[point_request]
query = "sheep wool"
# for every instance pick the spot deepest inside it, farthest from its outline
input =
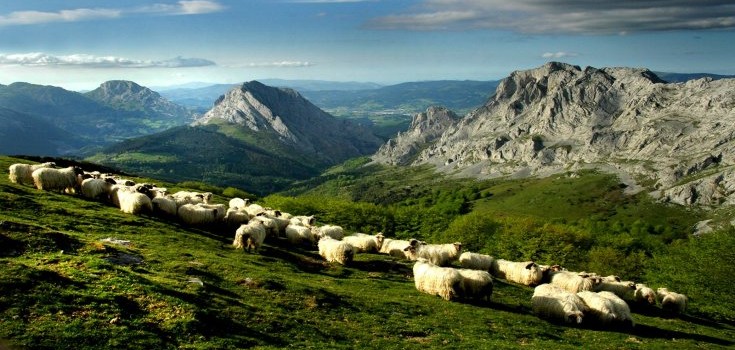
(437, 254)
(644, 294)
(297, 234)
(238, 203)
(552, 302)
(194, 214)
(337, 251)
(573, 282)
(671, 301)
(236, 217)
(20, 173)
(476, 261)
(96, 188)
(476, 284)
(365, 243)
(621, 309)
(134, 202)
(601, 309)
(50, 179)
(623, 289)
(250, 236)
(332, 231)
(527, 273)
(434, 280)
(397, 248)
(165, 206)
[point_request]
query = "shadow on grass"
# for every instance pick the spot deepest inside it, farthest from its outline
(18, 238)
(306, 261)
(646, 331)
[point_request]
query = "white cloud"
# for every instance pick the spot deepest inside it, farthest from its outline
(39, 59)
(559, 54)
(277, 64)
(185, 7)
(564, 16)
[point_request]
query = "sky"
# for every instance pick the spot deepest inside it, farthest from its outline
(80, 44)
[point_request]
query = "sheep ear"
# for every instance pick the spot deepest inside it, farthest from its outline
(528, 267)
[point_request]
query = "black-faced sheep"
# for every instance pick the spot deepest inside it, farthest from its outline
(20, 173)
(60, 180)
(337, 251)
(476, 261)
(552, 302)
(527, 273)
(434, 280)
(250, 236)
(671, 301)
(437, 254)
(365, 243)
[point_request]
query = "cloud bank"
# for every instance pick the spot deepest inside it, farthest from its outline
(275, 64)
(38, 59)
(184, 7)
(564, 16)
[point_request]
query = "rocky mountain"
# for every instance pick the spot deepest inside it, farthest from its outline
(675, 140)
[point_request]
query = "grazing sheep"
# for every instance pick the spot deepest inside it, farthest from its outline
(271, 227)
(254, 209)
(239, 203)
(20, 173)
(434, 280)
(476, 261)
(527, 273)
(221, 211)
(552, 302)
(333, 231)
(279, 223)
(60, 180)
(397, 248)
(134, 202)
(165, 205)
(620, 308)
(195, 214)
(97, 188)
(437, 254)
(250, 236)
(476, 284)
(337, 251)
(671, 301)
(623, 289)
(303, 220)
(573, 282)
(236, 216)
(644, 294)
(547, 270)
(187, 197)
(297, 234)
(365, 243)
(600, 308)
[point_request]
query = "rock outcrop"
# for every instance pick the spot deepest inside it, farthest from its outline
(560, 117)
(127, 95)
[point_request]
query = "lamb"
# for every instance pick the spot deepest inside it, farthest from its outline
(336, 251)
(165, 206)
(671, 301)
(527, 273)
(434, 280)
(250, 236)
(623, 289)
(365, 243)
(397, 248)
(620, 308)
(644, 294)
(550, 301)
(437, 254)
(134, 202)
(20, 173)
(195, 214)
(51, 179)
(476, 261)
(333, 231)
(302, 220)
(573, 282)
(297, 234)
(96, 188)
(475, 284)
(239, 203)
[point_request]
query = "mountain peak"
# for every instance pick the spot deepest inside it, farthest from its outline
(130, 96)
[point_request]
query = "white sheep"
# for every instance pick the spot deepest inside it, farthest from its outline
(337, 251)
(434, 280)
(552, 302)
(60, 180)
(297, 234)
(220, 210)
(671, 301)
(250, 236)
(271, 226)
(303, 220)
(254, 209)
(644, 294)
(187, 197)
(476, 284)
(437, 254)
(527, 273)
(620, 308)
(20, 173)
(236, 216)
(476, 261)
(333, 231)
(96, 188)
(573, 282)
(195, 214)
(239, 203)
(365, 243)
(397, 248)
(165, 205)
(134, 202)
(623, 289)
(600, 308)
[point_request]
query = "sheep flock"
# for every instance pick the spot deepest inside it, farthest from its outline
(439, 269)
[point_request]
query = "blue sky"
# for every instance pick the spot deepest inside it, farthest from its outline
(80, 44)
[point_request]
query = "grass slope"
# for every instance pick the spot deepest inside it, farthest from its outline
(61, 287)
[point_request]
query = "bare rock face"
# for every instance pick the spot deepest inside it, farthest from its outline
(282, 118)
(559, 117)
(127, 95)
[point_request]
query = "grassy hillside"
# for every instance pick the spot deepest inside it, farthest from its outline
(171, 286)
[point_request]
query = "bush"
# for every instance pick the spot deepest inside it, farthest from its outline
(200, 186)
(473, 230)
(236, 192)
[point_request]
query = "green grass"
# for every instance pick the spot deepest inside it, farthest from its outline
(62, 288)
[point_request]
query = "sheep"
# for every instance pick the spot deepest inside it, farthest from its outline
(476, 284)
(236, 217)
(271, 227)
(238, 203)
(553, 302)
(671, 301)
(527, 273)
(365, 243)
(397, 248)
(476, 261)
(623, 289)
(186, 197)
(297, 234)
(254, 209)
(434, 280)
(548, 270)
(279, 223)
(573, 282)
(333, 231)
(644, 294)
(220, 211)
(51, 179)
(96, 188)
(165, 205)
(337, 251)
(620, 308)
(134, 202)
(437, 254)
(20, 173)
(250, 236)
(303, 220)
(195, 214)
(600, 308)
